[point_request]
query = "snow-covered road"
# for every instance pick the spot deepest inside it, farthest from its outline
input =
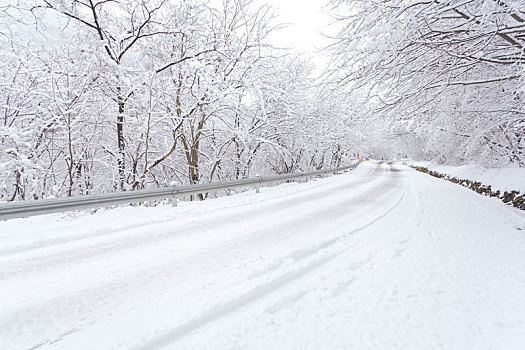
(381, 257)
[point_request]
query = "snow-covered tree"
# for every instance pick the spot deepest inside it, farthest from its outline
(128, 94)
(450, 71)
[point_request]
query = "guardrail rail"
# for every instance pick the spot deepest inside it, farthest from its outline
(58, 205)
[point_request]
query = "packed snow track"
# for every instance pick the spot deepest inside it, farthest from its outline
(382, 257)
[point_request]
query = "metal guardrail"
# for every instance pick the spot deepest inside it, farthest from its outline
(58, 205)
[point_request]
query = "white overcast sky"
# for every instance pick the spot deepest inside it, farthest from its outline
(306, 19)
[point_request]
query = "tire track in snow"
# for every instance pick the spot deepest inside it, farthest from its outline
(328, 251)
(149, 272)
(132, 271)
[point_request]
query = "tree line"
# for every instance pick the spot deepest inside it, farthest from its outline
(105, 95)
(112, 95)
(444, 79)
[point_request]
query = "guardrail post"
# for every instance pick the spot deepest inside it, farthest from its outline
(174, 198)
(258, 186)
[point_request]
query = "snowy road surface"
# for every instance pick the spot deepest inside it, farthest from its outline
(381, 257)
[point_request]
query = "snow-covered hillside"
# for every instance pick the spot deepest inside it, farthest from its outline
(382, 257)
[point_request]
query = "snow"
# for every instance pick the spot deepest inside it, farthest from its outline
(507, 178)
(382, 257)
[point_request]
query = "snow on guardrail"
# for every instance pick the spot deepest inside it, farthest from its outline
(58, 205)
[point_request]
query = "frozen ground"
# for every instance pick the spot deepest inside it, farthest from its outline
(504, 179)
(382, 257)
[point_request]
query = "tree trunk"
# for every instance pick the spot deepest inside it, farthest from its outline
(121, 160)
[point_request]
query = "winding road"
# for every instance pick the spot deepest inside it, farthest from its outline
(380, 257)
